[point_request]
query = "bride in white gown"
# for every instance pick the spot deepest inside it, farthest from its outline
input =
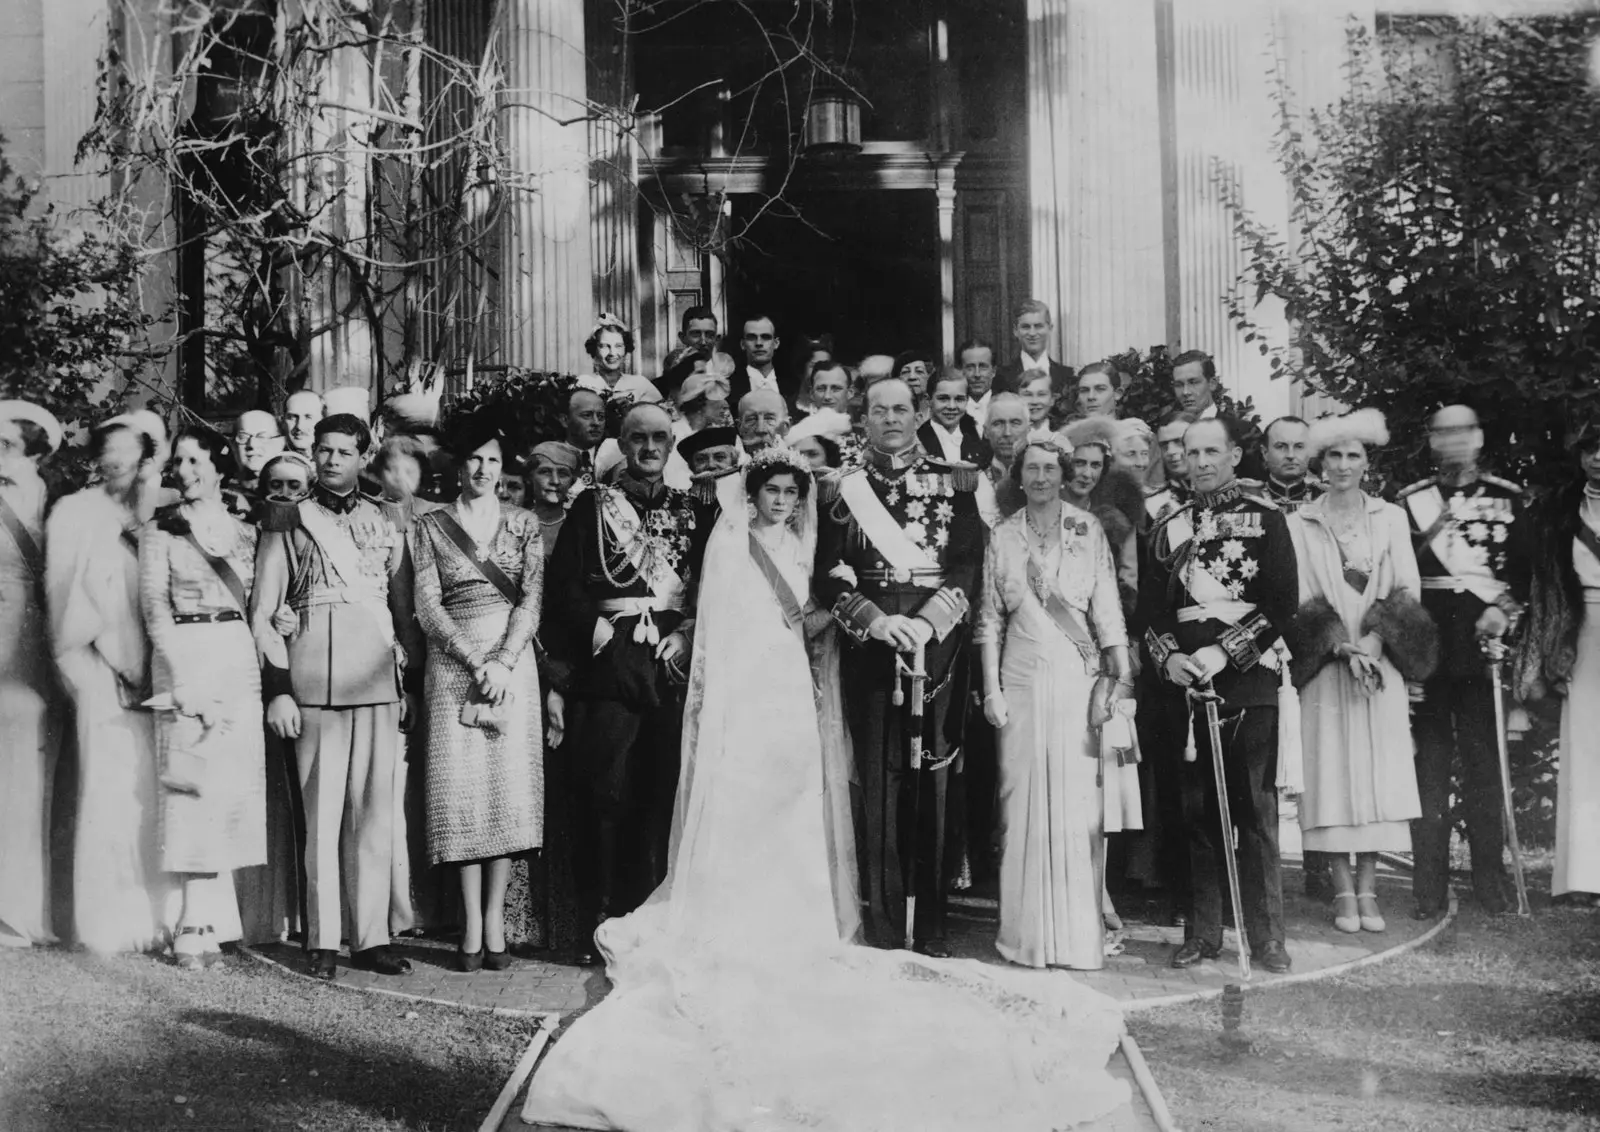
(736, 1005)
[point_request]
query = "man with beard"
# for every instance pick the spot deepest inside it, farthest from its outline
(618, 619)
(899, 554)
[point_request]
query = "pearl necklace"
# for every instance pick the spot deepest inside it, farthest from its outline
(1044, 537)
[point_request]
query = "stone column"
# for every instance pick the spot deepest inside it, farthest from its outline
(613, 196)
(1094, 173)
(547, 300)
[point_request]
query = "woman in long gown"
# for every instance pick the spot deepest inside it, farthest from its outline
(1049, 623)
(485, 777)
(736, 1005)
(1360, 634)
(196, 566)
(28, 435)
(1559, 653)
(122, 900)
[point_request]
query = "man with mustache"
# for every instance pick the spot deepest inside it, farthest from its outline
(899, 553)
(618, 619)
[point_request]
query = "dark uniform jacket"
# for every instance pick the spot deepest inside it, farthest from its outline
(1242, 542)
(1289, 498)
(1472, 543)
(588, 567)
(936, 505)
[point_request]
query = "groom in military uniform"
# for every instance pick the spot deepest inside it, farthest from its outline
(899, 554)
(1470, 536)
(1221, 586)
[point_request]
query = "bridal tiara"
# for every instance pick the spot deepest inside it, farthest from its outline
(780, 454)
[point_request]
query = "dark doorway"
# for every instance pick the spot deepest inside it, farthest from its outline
(863, 266)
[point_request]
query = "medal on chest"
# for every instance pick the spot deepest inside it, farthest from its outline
(1226, 548)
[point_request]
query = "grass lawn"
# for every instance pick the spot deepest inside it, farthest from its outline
(114, 1044)
(1493, 1027)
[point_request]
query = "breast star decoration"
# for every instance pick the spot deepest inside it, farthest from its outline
(1223, 552)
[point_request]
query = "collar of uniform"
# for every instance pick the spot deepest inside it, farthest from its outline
(1223, 495)
(891, 461)
(332, 501)
(1451, 481)
(645, 491)
(1280, 490)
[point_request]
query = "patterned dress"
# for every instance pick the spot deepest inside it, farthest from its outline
(485, 788)
(202, 652)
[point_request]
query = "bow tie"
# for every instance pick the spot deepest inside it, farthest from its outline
(338, 504)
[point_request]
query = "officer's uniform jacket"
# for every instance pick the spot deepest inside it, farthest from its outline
(1222, 572)
(340, 563)
(1289, 498)
(1471, 542)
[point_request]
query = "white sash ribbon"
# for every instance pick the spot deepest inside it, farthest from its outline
(1456, 555)
(888, 537)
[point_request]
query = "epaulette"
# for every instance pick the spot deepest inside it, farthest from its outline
(1509, 485)
(703, 488)
(1416, 487)
(963, 476)
(1256, 492)
(827, 490)
(276, 516)
(1187, 505)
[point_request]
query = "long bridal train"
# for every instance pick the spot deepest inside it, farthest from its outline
(735, 1003)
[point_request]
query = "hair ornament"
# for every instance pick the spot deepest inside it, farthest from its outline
(780, 455)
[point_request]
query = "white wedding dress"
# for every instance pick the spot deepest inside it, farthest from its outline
(735, 1003)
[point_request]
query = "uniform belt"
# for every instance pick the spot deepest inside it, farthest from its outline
(1230, 611)
(207, 618)
(933, 579)
(337, 595)
(615, 607)
(1462, 585)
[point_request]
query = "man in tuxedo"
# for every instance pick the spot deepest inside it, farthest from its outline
(950, 434)
(760, 344)
(1032, 330)
(976, 360)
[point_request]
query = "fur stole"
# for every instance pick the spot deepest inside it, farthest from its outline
(1118, 502)
(1313, 634)
(1409, 635)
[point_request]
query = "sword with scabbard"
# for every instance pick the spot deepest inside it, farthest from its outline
(911, 678)
(1495, 651)
(1205, 695)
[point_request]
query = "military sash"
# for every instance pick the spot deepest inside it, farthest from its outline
(887, 537)
(1460, 560)
(623, 523)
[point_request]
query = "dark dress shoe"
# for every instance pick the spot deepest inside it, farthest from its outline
(323, 964)
(1193, 951)
(497, 960)
(469, 961)
(933, 948)
(380, 961)
(1274, 957)
(1426, 912)
(1494, 897)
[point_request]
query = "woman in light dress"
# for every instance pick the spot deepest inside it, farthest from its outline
(1055, 659)
(736, 1004)
(608, 346)
(122, 899)
(196, 567)
(1360, 634)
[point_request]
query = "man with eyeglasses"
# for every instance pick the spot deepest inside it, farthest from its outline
(1470, 534)
(259, 438)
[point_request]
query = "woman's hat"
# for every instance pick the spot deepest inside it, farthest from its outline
(34, 414)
